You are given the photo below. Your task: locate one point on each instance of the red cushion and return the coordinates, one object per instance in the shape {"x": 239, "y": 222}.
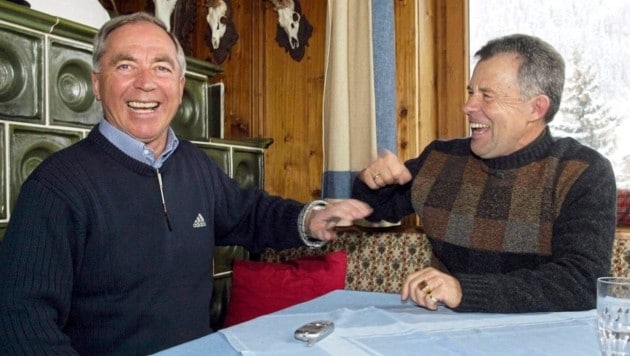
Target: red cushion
{"x": 260, "y": 288}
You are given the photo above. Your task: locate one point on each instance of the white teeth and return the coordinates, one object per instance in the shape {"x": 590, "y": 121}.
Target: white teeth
{"x": 143, "y": 105}
{"x": 476, "y": 125}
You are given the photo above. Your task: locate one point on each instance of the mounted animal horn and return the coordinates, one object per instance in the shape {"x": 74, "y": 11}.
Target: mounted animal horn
{"x": 163, "y": 11}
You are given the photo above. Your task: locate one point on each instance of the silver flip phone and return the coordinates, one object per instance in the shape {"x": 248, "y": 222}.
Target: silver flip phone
{"x": 314, "y": 331}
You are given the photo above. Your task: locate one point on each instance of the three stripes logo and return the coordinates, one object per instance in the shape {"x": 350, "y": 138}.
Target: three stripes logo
{"x": 199, "y": 222}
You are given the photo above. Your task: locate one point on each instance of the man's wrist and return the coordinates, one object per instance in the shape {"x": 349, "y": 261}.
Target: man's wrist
{"x": 304, "y": 219}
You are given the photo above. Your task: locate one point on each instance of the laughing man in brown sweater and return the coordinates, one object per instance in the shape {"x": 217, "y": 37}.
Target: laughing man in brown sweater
{"x": 521, "y": 221}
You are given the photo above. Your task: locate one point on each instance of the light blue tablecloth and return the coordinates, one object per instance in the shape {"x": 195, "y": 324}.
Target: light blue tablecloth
{"x": 380, "y": 324}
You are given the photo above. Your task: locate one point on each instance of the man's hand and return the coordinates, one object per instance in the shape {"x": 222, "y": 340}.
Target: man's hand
{"x": 429, "y": 286}
{"x": 321, "y": 223}
{"x": 385, "y": 170}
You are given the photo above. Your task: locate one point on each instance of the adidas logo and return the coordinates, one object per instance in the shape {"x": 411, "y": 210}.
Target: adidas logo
{"x": 199, "y": 222}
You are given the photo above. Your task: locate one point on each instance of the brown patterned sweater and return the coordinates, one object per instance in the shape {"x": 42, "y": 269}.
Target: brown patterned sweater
{"x": 527, "y": 232}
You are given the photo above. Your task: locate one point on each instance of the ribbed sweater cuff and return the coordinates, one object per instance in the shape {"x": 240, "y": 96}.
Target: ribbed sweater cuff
{"x": 475, "y": 293}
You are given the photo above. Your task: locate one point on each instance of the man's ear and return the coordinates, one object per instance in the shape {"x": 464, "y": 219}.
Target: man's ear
{"x": 95, "y": 88}
{"x": 540, "y": 106}
{"x": 182, "y": 85}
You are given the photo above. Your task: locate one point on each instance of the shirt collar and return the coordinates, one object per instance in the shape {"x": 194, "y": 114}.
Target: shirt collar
{"x": 137, "y": 149}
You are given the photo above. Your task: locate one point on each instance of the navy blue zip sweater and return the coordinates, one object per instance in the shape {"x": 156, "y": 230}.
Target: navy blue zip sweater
{"x": 89, "y": 264}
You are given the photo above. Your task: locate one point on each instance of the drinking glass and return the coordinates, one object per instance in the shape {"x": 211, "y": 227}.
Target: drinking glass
{"x": 613, "y": 315}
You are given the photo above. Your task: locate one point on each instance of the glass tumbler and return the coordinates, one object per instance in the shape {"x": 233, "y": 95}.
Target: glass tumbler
{"x": 613, "y": 315}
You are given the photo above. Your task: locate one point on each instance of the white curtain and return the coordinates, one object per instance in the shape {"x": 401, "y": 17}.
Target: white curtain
{"x": 359, "y": 90}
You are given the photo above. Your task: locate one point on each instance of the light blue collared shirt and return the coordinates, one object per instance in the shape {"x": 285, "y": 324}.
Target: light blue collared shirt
{"x": 137, "y": 149}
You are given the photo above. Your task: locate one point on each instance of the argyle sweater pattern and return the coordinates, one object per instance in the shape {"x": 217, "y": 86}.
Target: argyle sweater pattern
{"x": 89, "y": 265}
{"x": 528, "y": 232}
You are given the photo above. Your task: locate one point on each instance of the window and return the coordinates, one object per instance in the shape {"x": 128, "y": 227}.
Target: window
{"x": 593, "y": 38}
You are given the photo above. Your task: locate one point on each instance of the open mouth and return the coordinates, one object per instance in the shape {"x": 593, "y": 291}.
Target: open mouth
{"x": 476, "y": 127}
{"x": 143, "y": 106}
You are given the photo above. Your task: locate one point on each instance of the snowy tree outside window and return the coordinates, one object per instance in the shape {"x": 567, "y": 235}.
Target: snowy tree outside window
{"x": 594, "y": 39}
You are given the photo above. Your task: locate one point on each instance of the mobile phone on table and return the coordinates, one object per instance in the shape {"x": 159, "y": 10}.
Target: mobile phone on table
{"x": 314, "y": 331}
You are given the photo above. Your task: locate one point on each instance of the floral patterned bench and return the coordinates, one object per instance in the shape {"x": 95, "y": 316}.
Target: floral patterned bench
{"x": 380, "y": 261}
{"x": 377, "y": 261}
{"x": 621, "y": 253}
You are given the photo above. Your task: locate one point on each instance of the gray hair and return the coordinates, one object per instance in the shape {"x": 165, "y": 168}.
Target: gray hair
{"x": 541, "y": 70}
{"x": 101, "y": 37}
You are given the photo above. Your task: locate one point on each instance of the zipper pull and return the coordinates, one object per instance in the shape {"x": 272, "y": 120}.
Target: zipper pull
{"x": 159, "y": 177}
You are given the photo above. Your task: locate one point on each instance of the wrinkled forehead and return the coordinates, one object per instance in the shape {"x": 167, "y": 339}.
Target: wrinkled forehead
{"x": 139, "y": 37}
{"x": 140, "y": 32}
{"x": 500, "y": 71}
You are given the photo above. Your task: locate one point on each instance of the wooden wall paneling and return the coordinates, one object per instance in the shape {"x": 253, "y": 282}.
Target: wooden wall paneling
{"x": 244, "y": 104}
{"x": 268, "y": 94}
{"x": 407, "y": 83}
{"x": 407, "y": 78}
{"x": 239, "y": 71}
{"x": 426, "y": 50}
{"x": 259, "y": 36}
{"x": 452, "y": 66}
{"x": 415, "y": 79}
{"x": 293, "y": 109}
{"x": 416, "y": 75}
